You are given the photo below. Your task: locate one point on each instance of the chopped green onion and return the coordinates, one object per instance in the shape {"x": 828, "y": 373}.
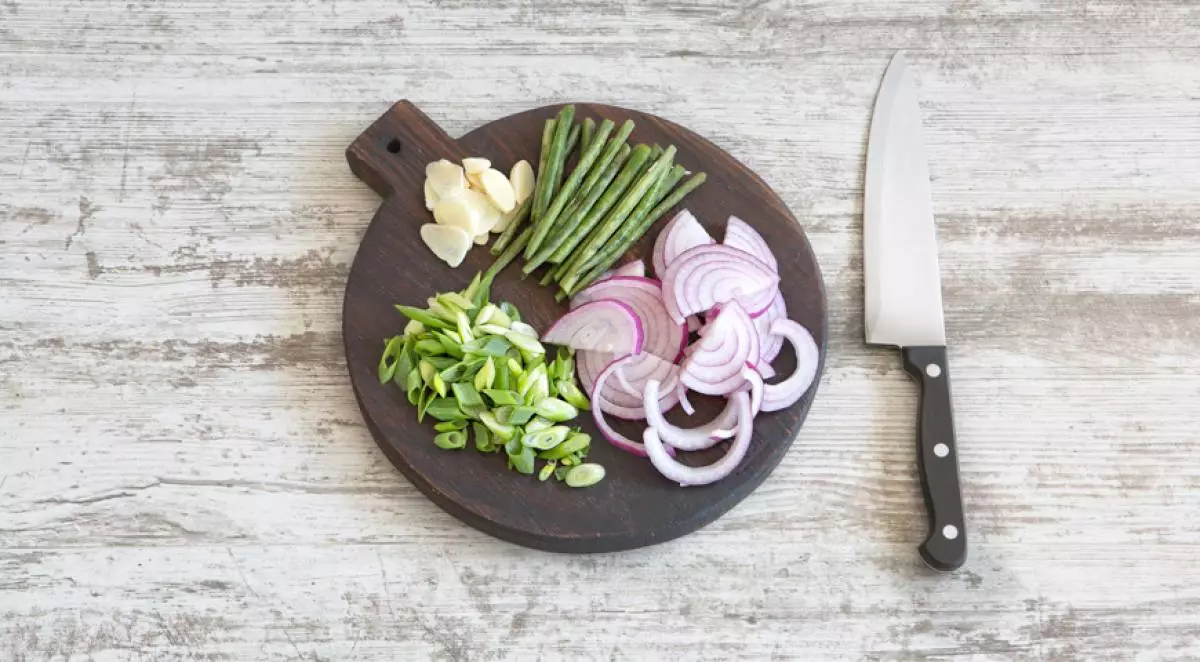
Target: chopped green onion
{"x": 501, "y": 430}
{"x": 486, "y": 375}
{"x": 467, "y": 395}
{"x": 501, "y": 398}
{"x": 547, "y": 471}
{"x": 388, "y": 361}
{"x": 483, "y": 438}
{"x": 544, "y": 440}
{"x": 492, "y": 329}
{"x": 450, "y": 426}
{"x": 424, "y": 317}
{"x": 455, "y": 300}
{"x": 571, "y": 393}
{"x": 555, "y": 410}
{"x": 464, "y": 327}
{"x": 574, "y": 443}
{"x": 453, "y": 440}
{"x": 494, "y": 346}
{"x": 445, "y": 409}
{"x": 511, "y": 311}
{"x": 585, "y": 475}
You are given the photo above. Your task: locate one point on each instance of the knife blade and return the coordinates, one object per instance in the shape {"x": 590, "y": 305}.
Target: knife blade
{"x": 903, "y": 299}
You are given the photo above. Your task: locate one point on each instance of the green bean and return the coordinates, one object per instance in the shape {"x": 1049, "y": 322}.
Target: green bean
{"x": 548, "y": 130}
{"x": 563, "y": 195}
{"x": 589, "y": 131}
{"x": 675, "y": 196}
{"x": 547, "y": 177}
{"x": 572, "y": 141}
{"x": 509, "y": 254}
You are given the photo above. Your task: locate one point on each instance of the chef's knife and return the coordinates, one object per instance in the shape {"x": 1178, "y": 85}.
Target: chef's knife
{"x": 904, "y": 299}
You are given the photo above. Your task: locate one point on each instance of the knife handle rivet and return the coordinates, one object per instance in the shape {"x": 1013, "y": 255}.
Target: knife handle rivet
{"x": 941, "y": 450}
{"x": 933, "y": 370}
{"x": 950, "y": 531}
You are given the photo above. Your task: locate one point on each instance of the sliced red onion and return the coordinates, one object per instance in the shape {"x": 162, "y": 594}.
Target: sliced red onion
{"x": 681, "y": 395}
{"x": 602, "y": 326}
{"x": 688, "y": 439}
{"x": 787, "y": 392}
{"x": 756, "y": 385}
{"x": 704, "y": 276}
{"x": 679, "y": 234}
{"x": 615, "y": 438}
{"x": 739, "y": 235}
{"x": 687, "y": 476}
{"x": 765, "y": 369}
{"x": 694, "y": 323}
{"x": 771, "y": 343}
{"x": 728, "y": 343}
{"x": 664, "y": 338}
{"x": 613, "y": 397}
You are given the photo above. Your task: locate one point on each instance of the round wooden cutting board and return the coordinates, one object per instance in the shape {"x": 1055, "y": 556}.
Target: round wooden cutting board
{"x": 634, "y": 505}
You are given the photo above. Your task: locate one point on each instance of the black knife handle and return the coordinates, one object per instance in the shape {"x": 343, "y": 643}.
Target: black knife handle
{"x": 945, "y": 548}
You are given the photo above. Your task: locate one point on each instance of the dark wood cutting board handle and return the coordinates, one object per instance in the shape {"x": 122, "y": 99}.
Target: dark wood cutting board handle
{"x": 945, "y": 548}
{"x": 392, "y": 153}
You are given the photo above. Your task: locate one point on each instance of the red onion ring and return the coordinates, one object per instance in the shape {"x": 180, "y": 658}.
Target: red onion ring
{"x": 789, "y": 391}
{"x": 686, "y": 476}
{"x": 688, "y": 439}
{"x": 771, "y": 343}
{"x": 615, "y": 438}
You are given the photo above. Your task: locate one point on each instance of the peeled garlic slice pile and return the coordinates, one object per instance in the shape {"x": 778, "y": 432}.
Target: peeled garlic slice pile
{"x": 469, "y": 201}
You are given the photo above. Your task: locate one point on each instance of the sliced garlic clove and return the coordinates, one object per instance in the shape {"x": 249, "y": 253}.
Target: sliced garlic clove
{"x": 498, "y": 189}
{"x": 522, "y": 180}
{"x": 481, "y": 239}
{"x": 476, "y": 164}
{"x": 431, "y": 196}
{"x": 446, "y": 179}
{"x": 447, "y": 242}
{"x": 473, "y": 181}
{"x": 460, "y": 213}
{"x": 487, "y": 214}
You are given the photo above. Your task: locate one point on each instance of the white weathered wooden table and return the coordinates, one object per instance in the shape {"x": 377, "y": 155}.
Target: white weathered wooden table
{"x": 184, "y": 473}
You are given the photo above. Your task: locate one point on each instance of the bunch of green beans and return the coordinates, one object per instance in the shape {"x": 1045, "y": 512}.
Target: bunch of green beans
{"x": 583, "y": 217}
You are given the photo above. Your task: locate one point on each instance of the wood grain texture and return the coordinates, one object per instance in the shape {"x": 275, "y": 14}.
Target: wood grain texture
{"x": 183, "y": 474}
{"x": 634, "y": 505}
